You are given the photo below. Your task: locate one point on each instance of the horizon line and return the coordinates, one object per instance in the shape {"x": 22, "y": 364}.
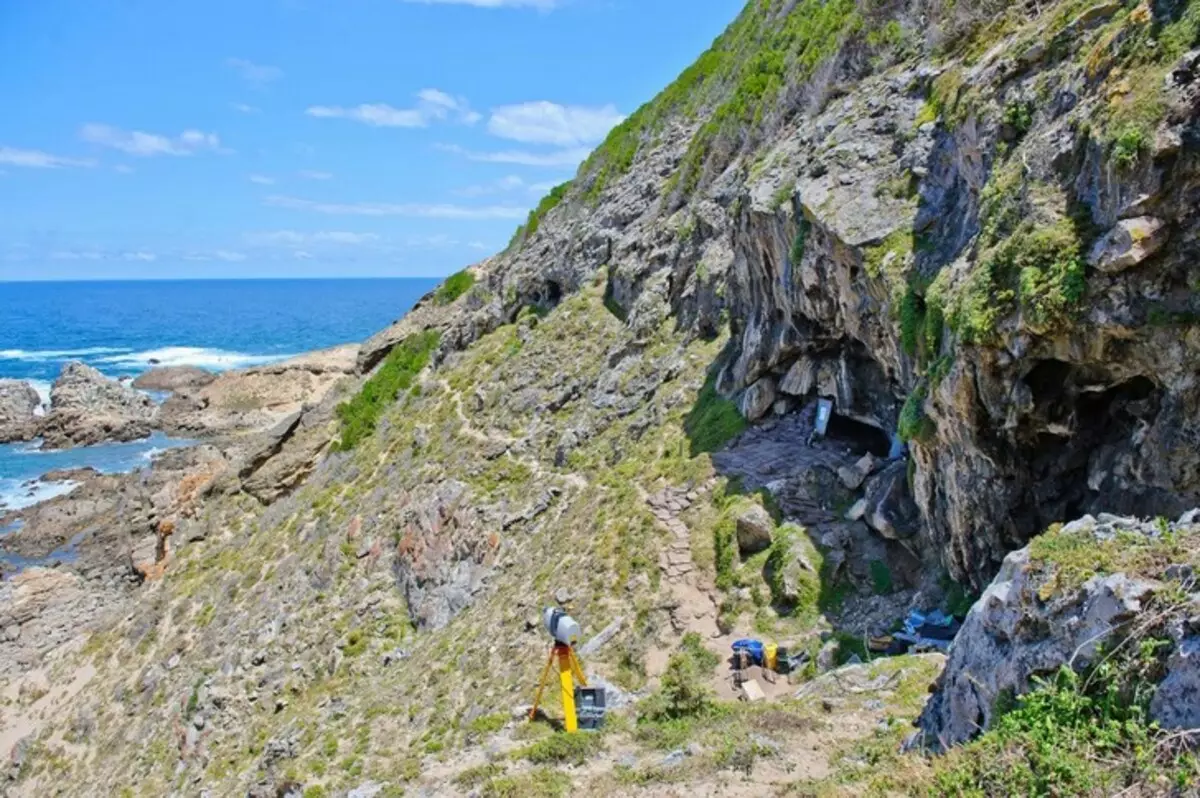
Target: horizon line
{"x": 53, "y": 281}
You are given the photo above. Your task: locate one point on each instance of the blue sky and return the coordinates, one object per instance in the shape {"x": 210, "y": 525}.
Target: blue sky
{"x": 252, "y": 138}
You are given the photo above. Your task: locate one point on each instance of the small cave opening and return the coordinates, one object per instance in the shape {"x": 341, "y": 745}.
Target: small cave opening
{"x": 552, "y": 293}
{"x": 1082, "y": 425}
{"x": 861, "y": 437}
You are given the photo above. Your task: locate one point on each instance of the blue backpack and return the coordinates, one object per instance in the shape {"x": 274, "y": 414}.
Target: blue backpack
{"x": 752, "y": 647}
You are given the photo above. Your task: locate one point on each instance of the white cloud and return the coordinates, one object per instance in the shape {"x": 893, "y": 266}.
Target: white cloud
{"x": 229, "y": 256}
{"x": 146, "y": 257}
{"x": 245, "y": 109}
{"x": 76, "y": 255}
{"x": 415, "y": 210}
{"x": 262, "y": 180}
{"x": 257, "y": 75}
{"x": 504, "y": 185}
{"x": 123, "y": 169}
{"x": 568, "y": 157}
{"x": 292, "y": 238}
{"x": 36, "y": 159}
{"x": 541, "y": 5}
{"x": 135, "y": 142}
{"x": 312, "y": 174}
{"x": 432, "y": 106}
{"x": 551, "y": 123}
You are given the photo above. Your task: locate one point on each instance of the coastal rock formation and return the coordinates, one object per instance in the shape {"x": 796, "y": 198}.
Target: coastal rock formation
{"x": 88, "y": 408}
{"x": 19, "y": 403}
{"x": 1043, "y": 612}
{"x": 173, "y": 378}
{"x": 256, "y": 399}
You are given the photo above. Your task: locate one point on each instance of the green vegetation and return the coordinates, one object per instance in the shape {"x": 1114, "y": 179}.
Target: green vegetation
{"x": 1042, "y": 269}
{"x": 790, "y": 542}
{"x": 539, "y": 783}
{"x": 683, "y": 692}
{"x": 1128, "y": 146}
{"x": 914, "y": 425}
{"x": 881, "y": 578}
{"x": 736, "y": 83}
{"x": 360, "y": 415}
{"x": 1018, "y": 115}
{"x": 803, "y": 226}
{"x": 713, "y": 420}
{"x": 1077, "y": 556}
{"x": 548, "y": 203}
{"x": 1077, "y": 734}
{"x": 455, "y": 286}
{"x": 562, "y": 749}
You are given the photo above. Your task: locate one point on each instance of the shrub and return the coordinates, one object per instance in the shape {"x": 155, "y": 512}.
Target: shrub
{"x": 1018, "y": 115}
{"x": 683, "y": 691}
{"x": 455, "y": 286}
{"x": 914, "y": 424}
{"x": 912, "y": 320}
{"x": 360, "y": 415}
{"x": 881, "y": 578}
{"x": 562, "y": 749}
{"x": 1128, "y": 146}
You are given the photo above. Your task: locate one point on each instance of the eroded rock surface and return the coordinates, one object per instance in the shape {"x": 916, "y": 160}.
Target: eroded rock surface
{"x": 173, "y": 378}
{"x": 19, "y": 403}
{"x": 88, "y": 408}
{"x": 1033, "y": 620}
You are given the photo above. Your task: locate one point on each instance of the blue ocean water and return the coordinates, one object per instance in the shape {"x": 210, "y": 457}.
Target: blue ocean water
{"x": 124, "y": 328}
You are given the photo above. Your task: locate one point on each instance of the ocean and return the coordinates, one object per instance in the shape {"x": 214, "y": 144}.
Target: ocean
{"x": 124, "y": 328}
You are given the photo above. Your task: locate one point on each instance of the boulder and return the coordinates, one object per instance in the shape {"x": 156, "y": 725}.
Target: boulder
{"x": 890, "y": 509}
{"x": 173, "y": 378}
{"x": 1128, "y": 244}
{"x": 801, "y": 378}
{"x": 755, "y": 530}
{"x": 88, "y": 408}
{"x": 19, "y": 403}
{"x": 759, "y": 398}
{"x": 1027, "y": 624}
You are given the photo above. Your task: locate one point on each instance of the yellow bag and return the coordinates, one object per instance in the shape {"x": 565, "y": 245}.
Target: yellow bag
{"x": 771, "y": 656}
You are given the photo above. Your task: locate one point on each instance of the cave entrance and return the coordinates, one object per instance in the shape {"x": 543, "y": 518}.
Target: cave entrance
{"x": 861, "y": 437}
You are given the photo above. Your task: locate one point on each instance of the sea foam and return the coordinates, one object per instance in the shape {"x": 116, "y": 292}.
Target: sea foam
{"x": 41, "y": 355}
{"x": 212, "y": 359}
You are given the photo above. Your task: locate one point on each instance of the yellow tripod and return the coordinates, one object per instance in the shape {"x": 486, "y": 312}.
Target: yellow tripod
{"x": 568, "y": 666}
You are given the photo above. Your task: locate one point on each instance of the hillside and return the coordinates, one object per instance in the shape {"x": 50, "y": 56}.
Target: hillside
{"x": 970, "y": 226}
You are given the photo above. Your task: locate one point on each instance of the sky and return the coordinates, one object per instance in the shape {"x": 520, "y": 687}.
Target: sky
{"x": 156, "y": 139}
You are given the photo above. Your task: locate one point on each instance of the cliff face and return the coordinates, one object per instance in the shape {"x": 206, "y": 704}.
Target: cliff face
{"x": 984, "y": 243}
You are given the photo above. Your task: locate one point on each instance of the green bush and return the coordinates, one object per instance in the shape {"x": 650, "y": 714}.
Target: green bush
{"x": 881, "y": 578}
{"x": 455, "y": 286}
{"x": 1018, "y": 115}
{"x": 1128, "y": 146}
{"x": 360, "y": 415}
{"x": 713, "y": 420}
{"x": 563, "y": 749}
{"x": 683, "y": 691}
{"x": 914, "y": 425}
{"x": 912, "y": 320}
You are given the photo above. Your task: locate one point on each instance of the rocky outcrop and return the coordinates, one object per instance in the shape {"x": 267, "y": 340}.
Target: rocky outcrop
{"x": 173, "y": 378}
{"x": 88, "y": 408}
{"x": 1039, "y": 615}
{"x": 19, "y": 403}
{"x": 255, "y": 400}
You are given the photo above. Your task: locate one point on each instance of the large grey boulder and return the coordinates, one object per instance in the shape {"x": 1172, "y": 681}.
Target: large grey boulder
{"x": 1025, "y": 626}
{"x": 173, "y": 378}
{"x": 19, "y": 403}
{"x": 88, "y": 408}
{"x": 1129, "y": 243}
{"x": 755, "y": 530}
{"x": 890, "y": 509}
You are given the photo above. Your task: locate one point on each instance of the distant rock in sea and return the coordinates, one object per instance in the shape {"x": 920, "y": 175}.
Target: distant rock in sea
{"x": 19, "y": 403}
{"x": 173, "y": 378}
{"x": 88, "y": 408}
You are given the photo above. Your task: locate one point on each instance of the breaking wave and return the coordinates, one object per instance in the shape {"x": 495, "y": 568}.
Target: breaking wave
{"x": 211, "y": 359}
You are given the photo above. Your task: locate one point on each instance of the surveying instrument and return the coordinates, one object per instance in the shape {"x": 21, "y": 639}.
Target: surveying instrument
{"x": 565, "y": 633}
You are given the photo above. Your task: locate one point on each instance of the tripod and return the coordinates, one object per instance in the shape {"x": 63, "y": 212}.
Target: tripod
{"x": 568, "y": 667}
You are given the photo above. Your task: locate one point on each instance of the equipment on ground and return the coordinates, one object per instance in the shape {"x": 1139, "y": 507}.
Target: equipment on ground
{"x": 565, "y": 632}
{"x": 754, "y": 649}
